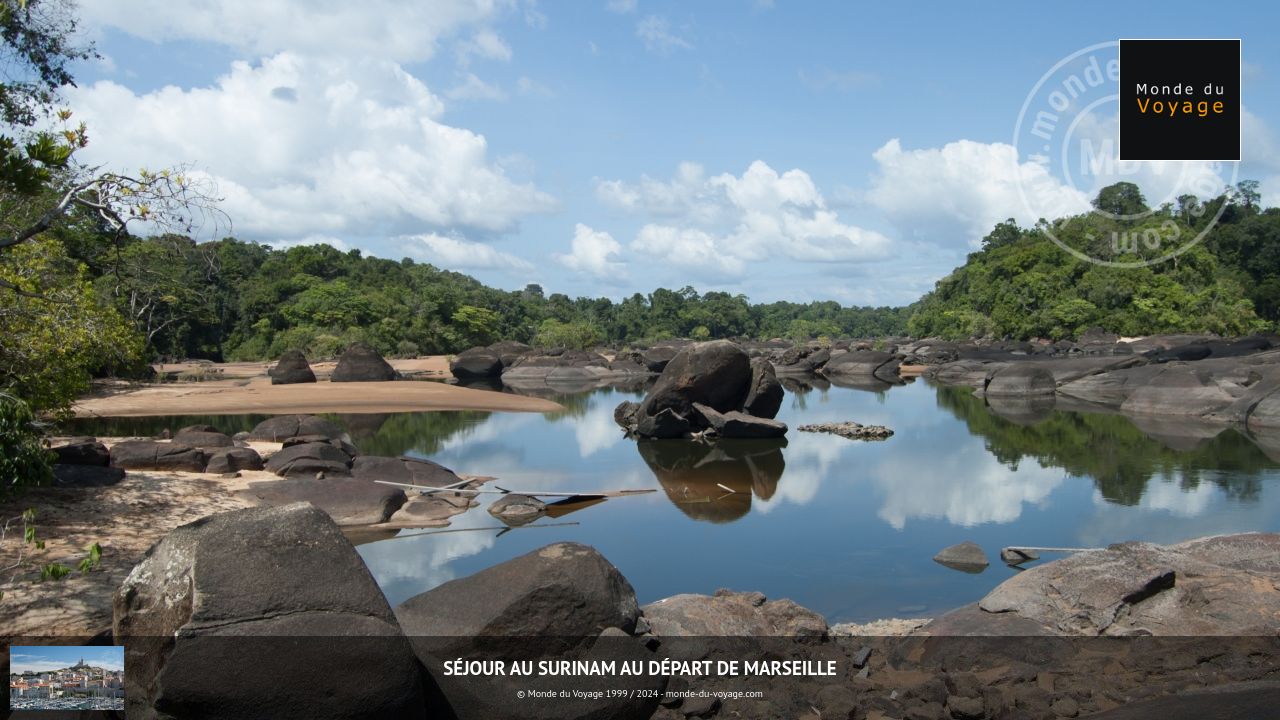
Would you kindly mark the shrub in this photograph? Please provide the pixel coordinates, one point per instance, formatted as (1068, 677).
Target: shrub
(23, 459)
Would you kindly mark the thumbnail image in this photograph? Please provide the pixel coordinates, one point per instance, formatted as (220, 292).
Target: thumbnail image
(67, 677)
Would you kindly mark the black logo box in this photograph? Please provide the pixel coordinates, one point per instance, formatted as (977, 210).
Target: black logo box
(1185, 67)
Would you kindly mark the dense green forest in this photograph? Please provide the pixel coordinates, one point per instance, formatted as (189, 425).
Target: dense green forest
(1020, 285)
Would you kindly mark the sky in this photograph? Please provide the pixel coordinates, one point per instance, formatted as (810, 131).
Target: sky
(784, 150)
(47, 658)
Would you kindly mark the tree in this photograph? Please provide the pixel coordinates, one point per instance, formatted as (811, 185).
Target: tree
(1123, 199)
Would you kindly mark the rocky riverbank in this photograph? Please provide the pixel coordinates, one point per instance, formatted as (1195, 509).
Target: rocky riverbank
(211, 596)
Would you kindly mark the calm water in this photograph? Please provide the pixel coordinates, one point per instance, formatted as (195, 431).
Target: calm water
(844, 527)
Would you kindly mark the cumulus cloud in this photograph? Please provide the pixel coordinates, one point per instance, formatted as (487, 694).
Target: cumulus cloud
(301, 146)
(485, 44)
(451, 252)
(401, 30)
(473, 88)
(656, 32)
(960, 191)
(721, 223)
(592, 253)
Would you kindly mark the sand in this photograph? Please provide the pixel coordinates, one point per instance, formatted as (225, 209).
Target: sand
(245, 389)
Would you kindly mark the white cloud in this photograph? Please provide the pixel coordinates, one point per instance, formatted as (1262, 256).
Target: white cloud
(592, 253)
(656, 32)
(456, 253)
(621, 6)
(473, 88)
(719, 224)
(960, 191)
(358, 150)
(402, 30)
(485, 44)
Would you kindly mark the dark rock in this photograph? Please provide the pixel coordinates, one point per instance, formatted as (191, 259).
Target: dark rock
(716, 374)
(1018, 556)
(346, 500)
(301, 459)
(361, 363)
(665, 425)
(694, 475)
(699, 706)
(283, 427)
(966, 557)
(232, 460)
(966, 708)
(508, 351)
(478, 362)
(625, 415)
(1021, 379)
(202, 438)
(566, 593)
(1185, 353)
(517, 509)
(730, 614)
(85, 475)
(82, 451)
(1226, 702)
(864, 362)
(152, 455)
(411, 471)
(739, 425)
(268, 589)
(291, 369)
(656, 358)
(764, 399)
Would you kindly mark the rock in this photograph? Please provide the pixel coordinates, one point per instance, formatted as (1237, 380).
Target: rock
(1021, 379)
(361, 363)
(346, 500)
(517, 509)
(1096, 335)
(737, 425)
(309, 458)
(1018, 556)
(694, 475)
(1184, 353)
(851, 430)
(411, 471)
(508, 351)
(730, 614)
(717, 374)
(269, 589)
(232, 460)
(764, 398)
(478, 362)
(864, 362)
(1065, 707)
(1183, 391)
(966, 557)
(1225, 702)
(82, 451)
(68, 476)
(966, 708)
(292, 368)
(339, 443)
(152, 455)
(283, 427)
(201, 438)
(665, 425)
(656, 358)
(1110, 388)
(1217, 586)
(564, 593)
(699, 706)
(625, 415)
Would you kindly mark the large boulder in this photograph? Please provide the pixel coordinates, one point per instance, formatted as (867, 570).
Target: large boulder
(410, 471)
(346, 500)
(476, 363)
(1216, 586)
(965, 557)
(82, 451)
(361, 363)
(508, 351)
(1110, 388)
(278, 590)
(864, 362)
(764, 398)
(283, 427)
(307, 459)
(737, 425)
(1265, 414)
(292, 368)
(1020, 380)
(229, 460)
(1181, 390)
(153, 455)
(82, 476)
(732, 614)
(202, 436)
(716, 374)
(656, 358)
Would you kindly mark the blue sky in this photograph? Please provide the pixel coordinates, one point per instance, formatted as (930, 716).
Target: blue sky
(608, 147)
(43, 658)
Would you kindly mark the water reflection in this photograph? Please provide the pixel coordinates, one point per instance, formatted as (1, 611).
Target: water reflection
(715, 482)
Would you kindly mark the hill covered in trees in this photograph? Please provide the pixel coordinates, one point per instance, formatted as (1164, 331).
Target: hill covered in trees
(1021, 285)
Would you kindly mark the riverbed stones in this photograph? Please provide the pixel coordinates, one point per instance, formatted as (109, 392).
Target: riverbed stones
(361, 363)
(270, 589)
(965, 557)
(875, 363)
(764, 398)
(154, 455)
(732, 614)
(348, 501)
(517, 509)
(410, 471)
(82, 451)
(231, 460)
(307, 459)
(283, 427)
(476, 363)
(850, 430)
(739, 425)
(292, 369)
(1183, 390)
(1021, 380)
(202, 436)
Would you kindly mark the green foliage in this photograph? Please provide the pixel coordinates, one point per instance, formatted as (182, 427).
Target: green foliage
(55, 329)
(573, 335)
(54, 571)
(23, 459)
(92, 557)
(1022, 286)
